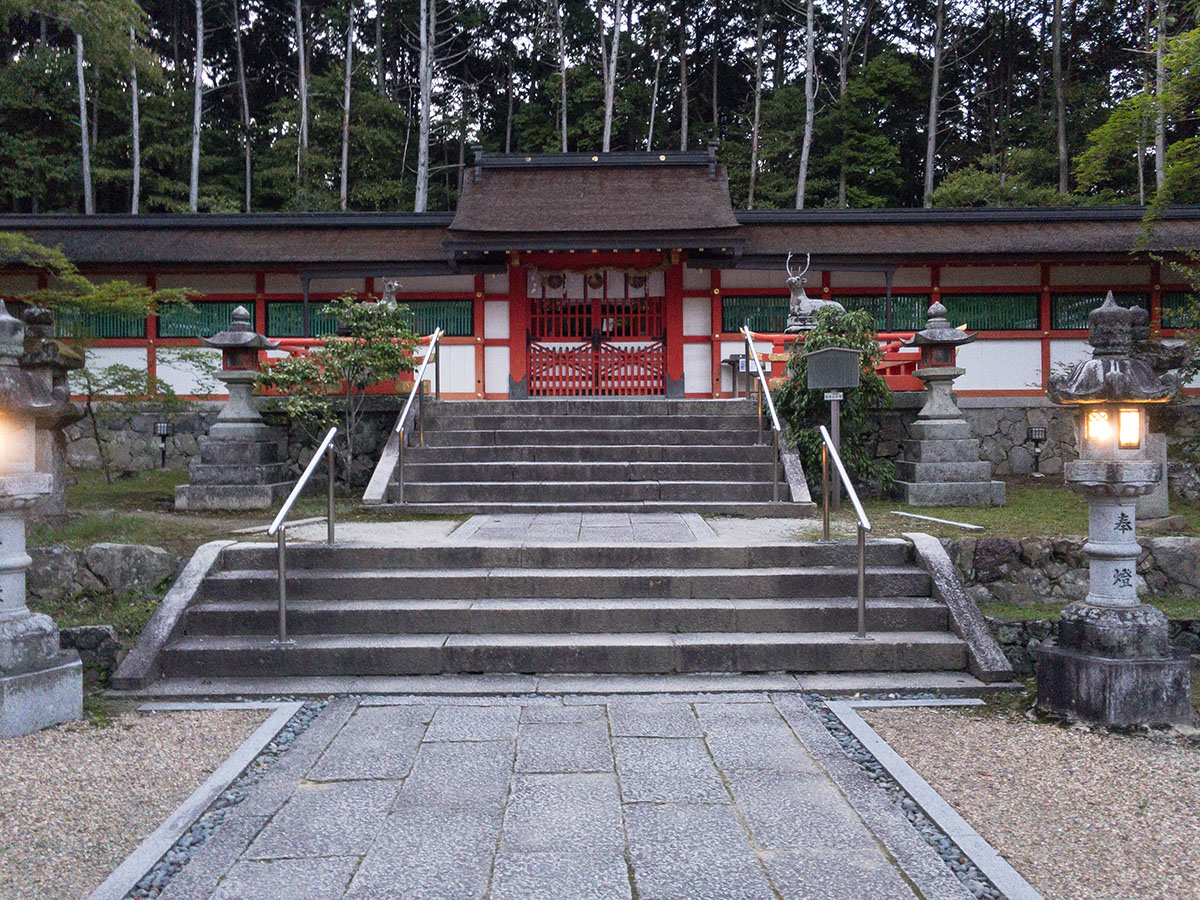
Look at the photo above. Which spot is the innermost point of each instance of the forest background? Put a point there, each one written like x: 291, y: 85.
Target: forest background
x: 261, y: 105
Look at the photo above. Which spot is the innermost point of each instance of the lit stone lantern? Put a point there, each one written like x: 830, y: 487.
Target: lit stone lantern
x: 1112, y: 662
x: 40, y: 684
x: 243, y: 461
x: 941, y: 464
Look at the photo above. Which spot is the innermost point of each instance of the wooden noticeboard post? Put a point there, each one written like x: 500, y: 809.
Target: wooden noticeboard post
x: 832, y: 370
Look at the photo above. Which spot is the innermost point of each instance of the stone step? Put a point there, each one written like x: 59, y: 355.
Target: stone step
x: 349, y: 557
x: 596, y: 406
x: 618, y: 653
x: 666, y: 437
x: 932, y: 472
x: 613, y: 471
x: 588, y: 491
x: 746, y: 509
x: 962, y: 493
x: 569, y: 452
x: 446, y: 421
x: 576, y: 616
x: 237, y: 473
x: 494, y: 583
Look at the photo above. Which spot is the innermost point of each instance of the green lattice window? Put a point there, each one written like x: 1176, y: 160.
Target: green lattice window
x: 286, y: 319
x: 762, y: 314
x: 202, y: 319
x: 1070, y: 311
x: 72, y: 323
x: 993, y: 312
x: 908, y: 310
x: 1180, y: 309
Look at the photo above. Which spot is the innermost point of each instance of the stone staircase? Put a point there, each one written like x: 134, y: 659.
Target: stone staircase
x: 578, y: 608
x: 596, y: 455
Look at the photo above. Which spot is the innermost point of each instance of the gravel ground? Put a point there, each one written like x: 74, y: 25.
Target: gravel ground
x: 1080, y: 814
x: 75, y: 800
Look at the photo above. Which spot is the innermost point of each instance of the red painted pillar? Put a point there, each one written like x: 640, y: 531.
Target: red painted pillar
x: 1045, y: 315
x: 714, y: 281
x: 674, y: 325
x: 518, y: 327
x: 477, y: 330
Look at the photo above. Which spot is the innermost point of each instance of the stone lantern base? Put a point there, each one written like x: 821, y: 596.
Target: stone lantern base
x: 1111, y: 666
x: 238, y: 474
x: 40, y: 684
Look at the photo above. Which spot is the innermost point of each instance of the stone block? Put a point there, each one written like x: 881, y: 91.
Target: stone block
x: 970, y: 493
x: 1157, y: 503
x: 97, y: 646
x: 32, y: 700
x: 230, y: 496
x: 130, y: 567
x: 1113, y: 692
x: 944, y: 472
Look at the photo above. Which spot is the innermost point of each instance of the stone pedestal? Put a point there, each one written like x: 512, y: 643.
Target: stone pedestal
x: 1157, y: 503
x: 242, y: 462
x: 941, y: 464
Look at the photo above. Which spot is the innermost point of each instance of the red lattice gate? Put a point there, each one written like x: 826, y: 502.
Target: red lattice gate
x: 607, y: 343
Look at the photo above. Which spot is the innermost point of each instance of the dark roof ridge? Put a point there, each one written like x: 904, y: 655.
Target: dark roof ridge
x: 616, y: 158
x: 984, y: 214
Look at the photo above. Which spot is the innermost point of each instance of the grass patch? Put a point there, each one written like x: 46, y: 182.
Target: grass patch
x: 153, y: 489
x: 127, y: 614
x: 1175, y: 606
x: 1039, y: 509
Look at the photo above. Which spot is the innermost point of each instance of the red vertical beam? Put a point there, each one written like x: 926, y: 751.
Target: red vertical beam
x: 714, y: 280
x: 1155, y: 297
x: 151, y: 337
x: 518, y: 323
x: 674, y: 323
x: 477, y: 330
x: 1044, y: 316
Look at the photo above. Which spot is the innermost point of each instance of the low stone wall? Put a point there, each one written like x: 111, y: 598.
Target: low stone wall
x: 58, y: 572
x: 1019, y: 638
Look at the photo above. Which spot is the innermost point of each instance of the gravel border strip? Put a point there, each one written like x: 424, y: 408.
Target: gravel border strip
x: 161, y: 843
x: 994, y: 867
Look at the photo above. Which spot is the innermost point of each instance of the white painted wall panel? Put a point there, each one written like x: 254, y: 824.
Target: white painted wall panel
x: 728, y: 348
x: 496, y: 283
x: 185, y: 377
x: 1138, y: 276
x: 99, y: 358
x: 1067, y: 353
x: 696, y: 279
x: 1000, y: 365
x: 207, y: 282
x: 458, y: 369
x: 495, y: 370
x: 495, y: 319
x: 697, y: 368
x: 980, y: 276
x: 697, y: 315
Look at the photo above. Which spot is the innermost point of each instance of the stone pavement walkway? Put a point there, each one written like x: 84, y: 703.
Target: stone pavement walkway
x: 575, y: 798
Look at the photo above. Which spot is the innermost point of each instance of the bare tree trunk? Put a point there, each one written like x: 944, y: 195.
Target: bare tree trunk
x: 302, y: 87
x: 843, y: 83
x: 716, y: 109
x: 346, y: 110
x: 653, y: 101
x: 935, y: 82
x: 683, y: 86
x: 1060, y: 97
x: 562, y: 69
x: 1160, y: 125
x: 608, y: 57
x: 197, y: 110
x: 758, y: 67
x: 428, y: 25
x: 509, y: 114
x: 244, y: 95
x: 810, y: 97
x: 135, y: 128
x: 380, y: 76
x: 89, y: 199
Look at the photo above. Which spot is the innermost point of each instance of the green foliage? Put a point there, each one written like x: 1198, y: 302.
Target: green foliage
x: 997, y: 183
x: 329, y: 384
x: 804, y: 410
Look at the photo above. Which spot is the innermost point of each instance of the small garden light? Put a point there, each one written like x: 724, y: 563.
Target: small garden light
x: 1036, y: 435
x: 164, y: 430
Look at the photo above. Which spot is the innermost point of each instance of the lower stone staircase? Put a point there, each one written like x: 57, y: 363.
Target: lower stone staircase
x: 672, y: 608
x: 596, y: 455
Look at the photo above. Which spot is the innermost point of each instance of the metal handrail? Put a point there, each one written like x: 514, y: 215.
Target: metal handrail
x: 764, y: 391
x: 828, y: 450
x: 279, y: 525
x: 436, y: 356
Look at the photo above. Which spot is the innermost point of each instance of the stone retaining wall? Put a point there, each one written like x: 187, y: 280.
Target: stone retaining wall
x: 1019, y: 638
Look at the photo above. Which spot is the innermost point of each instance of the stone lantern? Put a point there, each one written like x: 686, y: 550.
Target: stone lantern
x: 40, y: 684
x: 1112, y: 663
x: 941, y: 464
x: 243, y: 461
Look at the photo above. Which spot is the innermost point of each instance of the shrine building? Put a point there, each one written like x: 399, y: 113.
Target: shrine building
x: 631, y: 274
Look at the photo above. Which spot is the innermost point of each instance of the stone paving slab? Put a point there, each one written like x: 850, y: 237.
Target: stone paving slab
x: 668, y: 797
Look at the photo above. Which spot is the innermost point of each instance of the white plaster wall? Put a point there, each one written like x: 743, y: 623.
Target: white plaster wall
x: 696, y: 279
x: 495, y: 319
x: 981, y: 276
x: 1000, y: 365
x: 282, y: 284
x: 495, y: 370
x: 697, y: 315
x: 496, y: 283
x: 206, y: 282
x: 415, y: 284
x: 458, y: 369
x: 697, y: 368
x: 186, y: 378
x: 1101, y: 275
x: 1067, y: 353
x: 99, y: 358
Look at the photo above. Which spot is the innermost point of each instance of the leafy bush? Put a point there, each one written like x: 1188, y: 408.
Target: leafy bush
x: 805, y: 409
